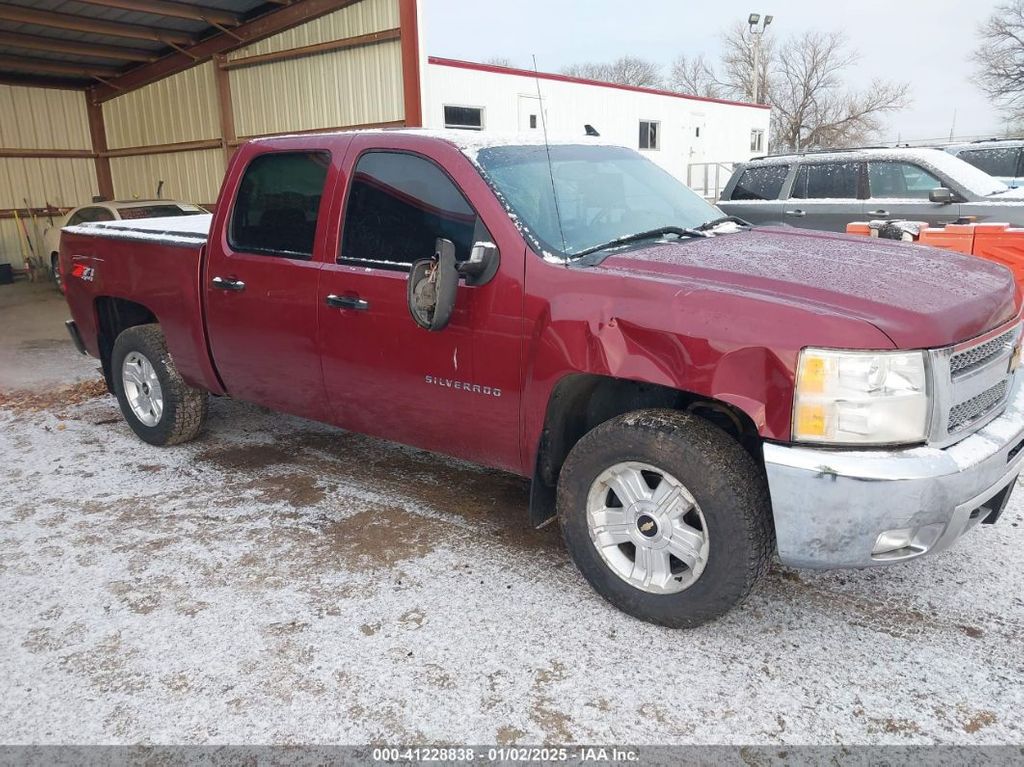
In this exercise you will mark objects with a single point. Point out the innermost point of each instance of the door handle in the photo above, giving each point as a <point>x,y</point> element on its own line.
<point>347,302</point>
<point>878,213</point>
<point>223,283</point>
<point>797,213</point>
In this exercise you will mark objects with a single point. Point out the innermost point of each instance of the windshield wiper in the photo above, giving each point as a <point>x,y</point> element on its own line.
<point>648,235</point>
<point>681,231</point>
<point>708,225</point>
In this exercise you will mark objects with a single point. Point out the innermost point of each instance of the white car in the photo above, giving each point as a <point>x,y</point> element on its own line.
<point>110,211</point>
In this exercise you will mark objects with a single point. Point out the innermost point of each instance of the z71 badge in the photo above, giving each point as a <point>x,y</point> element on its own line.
<point>84,273</point>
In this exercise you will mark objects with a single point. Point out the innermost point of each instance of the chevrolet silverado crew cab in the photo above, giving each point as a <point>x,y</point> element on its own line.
<point>688,394</point>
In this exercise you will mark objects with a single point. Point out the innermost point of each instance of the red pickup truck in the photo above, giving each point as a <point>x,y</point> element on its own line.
<point>688,394</point>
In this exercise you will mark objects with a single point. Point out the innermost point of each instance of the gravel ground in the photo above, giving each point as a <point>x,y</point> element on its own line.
<point>282,582</point>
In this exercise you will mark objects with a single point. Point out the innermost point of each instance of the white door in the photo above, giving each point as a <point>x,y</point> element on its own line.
<point>529,114</point>
<point>698,124</point>
<point>699,177</point>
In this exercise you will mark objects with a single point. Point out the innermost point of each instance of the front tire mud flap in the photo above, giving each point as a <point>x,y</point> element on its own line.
<point>542,502</point>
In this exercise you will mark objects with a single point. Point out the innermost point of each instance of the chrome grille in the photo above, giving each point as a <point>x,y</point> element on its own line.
<point>976,357</point>
<point>970,385</point>
<point>963,415</point>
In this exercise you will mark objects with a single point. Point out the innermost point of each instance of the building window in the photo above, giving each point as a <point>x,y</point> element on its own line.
<point>533,122</point>
<point>464,118</point>
<point>650,137</point>
<point>756,140</point>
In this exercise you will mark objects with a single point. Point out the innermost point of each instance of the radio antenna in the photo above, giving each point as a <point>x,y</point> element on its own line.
<point>551,167</point>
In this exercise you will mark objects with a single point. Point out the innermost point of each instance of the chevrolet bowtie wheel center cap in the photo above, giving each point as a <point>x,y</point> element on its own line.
<point>647,526</point>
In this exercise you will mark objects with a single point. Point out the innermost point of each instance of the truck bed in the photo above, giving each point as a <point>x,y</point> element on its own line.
<point>186,231</point>
<point>155,263</point>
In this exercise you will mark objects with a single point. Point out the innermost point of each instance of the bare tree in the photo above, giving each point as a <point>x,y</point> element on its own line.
<point>588,71</point>
<point>812,108</point>
<point>1000,58</point>
<point>803,79</point>
<point>738,62</point>
<point>627,70</point>
<point>696,77</point>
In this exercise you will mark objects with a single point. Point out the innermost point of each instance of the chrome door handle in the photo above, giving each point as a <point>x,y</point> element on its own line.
<point>347,302</point>
<point>223,283</point>
<point>878,213</point>
<point>797,213</point>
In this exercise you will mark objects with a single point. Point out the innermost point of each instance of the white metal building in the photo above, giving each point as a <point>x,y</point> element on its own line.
<point>689,136</point>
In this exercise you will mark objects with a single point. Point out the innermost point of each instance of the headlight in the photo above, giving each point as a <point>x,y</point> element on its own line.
<point>860,398</point>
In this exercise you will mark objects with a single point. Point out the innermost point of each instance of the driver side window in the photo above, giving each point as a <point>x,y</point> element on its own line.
<point>900,180</point>
<point>398,206</point>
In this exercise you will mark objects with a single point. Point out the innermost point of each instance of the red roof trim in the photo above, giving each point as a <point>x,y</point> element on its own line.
<point>457,64</point>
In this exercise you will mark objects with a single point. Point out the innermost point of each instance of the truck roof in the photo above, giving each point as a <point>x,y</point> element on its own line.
<point>469,142</point>
<point>194,230</point>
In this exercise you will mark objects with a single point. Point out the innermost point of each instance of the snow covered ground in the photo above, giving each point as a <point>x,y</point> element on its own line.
<point>282,582</point>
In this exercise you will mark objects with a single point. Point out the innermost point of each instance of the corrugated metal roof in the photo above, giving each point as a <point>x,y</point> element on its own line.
<point>40,48</point>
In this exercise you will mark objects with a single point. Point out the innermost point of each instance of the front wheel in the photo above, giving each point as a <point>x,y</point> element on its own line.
<point>156,402</point>
<point>666,516</point>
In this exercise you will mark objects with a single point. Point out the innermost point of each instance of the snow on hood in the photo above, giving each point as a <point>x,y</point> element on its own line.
<point>918,296</point>
<point>1015,193</point>
<point>170,230</point>
<point>971,178</point>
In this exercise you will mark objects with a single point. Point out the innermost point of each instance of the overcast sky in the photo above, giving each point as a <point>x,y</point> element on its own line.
<point>925,42</point>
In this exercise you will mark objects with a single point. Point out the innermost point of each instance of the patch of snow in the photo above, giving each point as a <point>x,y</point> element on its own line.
<point>196,594</point>
<point>172,230</point>
<point>471,143</point>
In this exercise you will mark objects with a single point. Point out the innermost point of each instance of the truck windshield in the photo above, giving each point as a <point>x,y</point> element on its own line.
<point>604,194</point>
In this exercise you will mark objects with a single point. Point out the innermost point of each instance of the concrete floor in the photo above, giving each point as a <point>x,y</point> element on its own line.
<point>278,581</point>
<point>35,349</point>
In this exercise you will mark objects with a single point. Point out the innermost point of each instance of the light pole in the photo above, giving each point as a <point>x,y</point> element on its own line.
<point>757,29</point>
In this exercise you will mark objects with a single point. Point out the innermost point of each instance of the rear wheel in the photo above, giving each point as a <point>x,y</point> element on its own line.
<point>156,402</point>
<point>666,516</point>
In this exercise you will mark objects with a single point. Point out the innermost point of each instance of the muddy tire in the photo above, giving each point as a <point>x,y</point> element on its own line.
<point>666,516</point>
<point>155,401</point>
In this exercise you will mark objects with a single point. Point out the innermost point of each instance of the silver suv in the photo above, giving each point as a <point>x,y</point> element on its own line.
<point>1000,158</point>
<point>828,190</point>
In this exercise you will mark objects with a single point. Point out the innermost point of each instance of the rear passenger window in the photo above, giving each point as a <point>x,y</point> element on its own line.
<point>995,162</point>
<point>277,205</point>
<point>398,206</point>
<point>827,181</point>
<point>764,183</point>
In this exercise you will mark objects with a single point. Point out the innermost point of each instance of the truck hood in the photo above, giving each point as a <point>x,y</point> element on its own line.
<point>919,296</point>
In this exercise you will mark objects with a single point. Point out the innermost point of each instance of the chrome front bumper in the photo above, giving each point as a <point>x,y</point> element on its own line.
<point>831,506</point>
